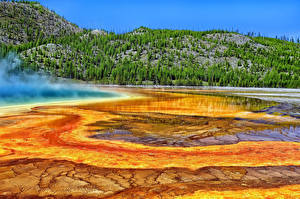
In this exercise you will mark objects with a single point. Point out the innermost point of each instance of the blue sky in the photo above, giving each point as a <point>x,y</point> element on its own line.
<point>269,17</point>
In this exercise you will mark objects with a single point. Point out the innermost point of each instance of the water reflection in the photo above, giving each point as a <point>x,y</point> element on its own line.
<point>185,104</point>
<point>191,118</point>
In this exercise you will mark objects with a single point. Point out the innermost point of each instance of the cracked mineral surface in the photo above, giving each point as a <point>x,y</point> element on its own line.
<point>42,177</point>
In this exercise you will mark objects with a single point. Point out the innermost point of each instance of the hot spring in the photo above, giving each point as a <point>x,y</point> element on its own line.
<point>24,87</point>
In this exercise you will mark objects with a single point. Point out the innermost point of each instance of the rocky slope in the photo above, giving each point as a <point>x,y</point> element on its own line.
<point>25,22</point>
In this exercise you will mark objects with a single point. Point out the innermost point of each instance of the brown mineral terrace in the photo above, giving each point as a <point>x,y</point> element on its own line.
<point>160,143</point>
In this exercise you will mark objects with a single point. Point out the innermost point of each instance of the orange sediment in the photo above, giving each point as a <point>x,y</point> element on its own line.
<point>63,133</point>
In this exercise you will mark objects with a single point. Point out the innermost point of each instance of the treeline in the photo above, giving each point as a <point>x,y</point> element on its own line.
<point>165,57</point>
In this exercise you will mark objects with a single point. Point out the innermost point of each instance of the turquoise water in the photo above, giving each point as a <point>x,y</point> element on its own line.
<point>51,94</point>
<point>18,87</point>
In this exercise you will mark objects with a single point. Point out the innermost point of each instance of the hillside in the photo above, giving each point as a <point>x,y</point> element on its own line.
<point>146,56</point>
<point>29,21</point>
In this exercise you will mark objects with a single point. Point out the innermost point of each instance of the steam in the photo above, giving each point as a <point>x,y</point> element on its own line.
<point>18,87</point>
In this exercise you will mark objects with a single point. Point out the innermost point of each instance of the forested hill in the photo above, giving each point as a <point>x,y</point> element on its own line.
<point>145,56</point>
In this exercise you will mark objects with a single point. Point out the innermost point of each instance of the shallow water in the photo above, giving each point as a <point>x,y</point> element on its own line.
<point>48,95</point>
<point>181,117</point>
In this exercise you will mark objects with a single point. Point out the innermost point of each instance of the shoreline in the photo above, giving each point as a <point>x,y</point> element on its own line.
<point>125,93</point>
<point>200,87</point>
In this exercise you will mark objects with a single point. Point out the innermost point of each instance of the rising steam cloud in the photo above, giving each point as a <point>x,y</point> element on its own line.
<point>18,87</point>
